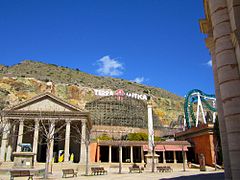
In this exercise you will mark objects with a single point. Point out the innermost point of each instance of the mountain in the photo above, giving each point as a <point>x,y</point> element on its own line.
<point>29,78</point>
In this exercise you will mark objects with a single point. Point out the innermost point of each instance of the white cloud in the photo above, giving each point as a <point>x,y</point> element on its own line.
<point>109,67</point>
<point>209,63</point>
<point>139,80</point>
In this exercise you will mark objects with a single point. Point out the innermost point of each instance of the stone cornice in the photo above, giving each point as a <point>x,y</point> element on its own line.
<point>37,114</point>
<point>206,24</point>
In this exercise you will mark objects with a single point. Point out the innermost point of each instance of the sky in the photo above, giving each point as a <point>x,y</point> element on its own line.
<point>152,42</point>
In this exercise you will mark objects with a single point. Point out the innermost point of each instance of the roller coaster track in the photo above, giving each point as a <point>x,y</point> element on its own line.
<point>200,97</point>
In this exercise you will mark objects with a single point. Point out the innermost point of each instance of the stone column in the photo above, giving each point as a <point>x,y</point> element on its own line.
<point>222,124</point>
<point>20,134</point>
<point>142,154</point>
<point>67,141</point>
<point>9,146</point>
<point>83,143</point>
<point>164,157</point>
<point>185,154</point>
<point>51,131</point>
<point>131,154</point>
<point>35,139</point>
<point>120,154</point>
<point>9,153</point>
<point>228,80</point>
<point>4,141</point>
<point>174,157</point>
<point>110,154</point>
<point>150,129</point>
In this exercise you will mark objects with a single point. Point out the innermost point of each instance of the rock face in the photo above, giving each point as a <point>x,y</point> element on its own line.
<point>28,79</point>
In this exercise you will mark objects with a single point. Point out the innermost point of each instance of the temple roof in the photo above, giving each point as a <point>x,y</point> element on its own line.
<point>45,102</point>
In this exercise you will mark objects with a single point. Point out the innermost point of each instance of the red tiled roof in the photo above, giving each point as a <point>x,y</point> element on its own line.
<point>175,148</point>
<point>157,148</point>
<point>167,148</point>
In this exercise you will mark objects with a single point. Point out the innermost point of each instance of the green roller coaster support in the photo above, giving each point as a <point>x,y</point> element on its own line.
<point>188,105</point>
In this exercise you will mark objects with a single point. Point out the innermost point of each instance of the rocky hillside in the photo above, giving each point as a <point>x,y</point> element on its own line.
<point>29,78</point>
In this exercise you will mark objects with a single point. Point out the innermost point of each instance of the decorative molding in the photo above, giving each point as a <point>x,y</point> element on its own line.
<point>209,41</point>
<point>235,36</point>
<point>204,26</point>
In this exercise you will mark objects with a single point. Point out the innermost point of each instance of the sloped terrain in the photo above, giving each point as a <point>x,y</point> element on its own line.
<point>29,78</point>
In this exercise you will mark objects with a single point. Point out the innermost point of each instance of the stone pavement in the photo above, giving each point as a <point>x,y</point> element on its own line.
<point>190,174</point>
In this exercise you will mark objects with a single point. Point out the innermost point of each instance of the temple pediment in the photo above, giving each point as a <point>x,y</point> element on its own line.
<point>45,102</point>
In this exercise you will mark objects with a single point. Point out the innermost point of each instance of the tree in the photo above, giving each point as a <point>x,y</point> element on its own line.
<point>7,132</point>
<point>80,136</point>
<point>48,129</point>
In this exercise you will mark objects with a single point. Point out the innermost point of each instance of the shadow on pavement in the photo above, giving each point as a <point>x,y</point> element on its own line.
<point>215,176</point>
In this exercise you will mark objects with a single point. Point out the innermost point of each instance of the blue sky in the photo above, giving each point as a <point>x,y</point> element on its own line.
<point>154,42</point>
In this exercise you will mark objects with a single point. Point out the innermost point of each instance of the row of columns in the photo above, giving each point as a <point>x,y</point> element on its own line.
<point>36,138</point>
<point>120,154</point>
<point>142,157</point>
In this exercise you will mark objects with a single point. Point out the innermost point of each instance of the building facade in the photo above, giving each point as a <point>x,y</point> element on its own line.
<point>197,136</point>
<point>222,27</point>
<point>42,120</point>
<point>69,131</point>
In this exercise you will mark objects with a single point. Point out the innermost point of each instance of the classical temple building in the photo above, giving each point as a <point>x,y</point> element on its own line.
<point>222,27</point>
<point>41,119</point>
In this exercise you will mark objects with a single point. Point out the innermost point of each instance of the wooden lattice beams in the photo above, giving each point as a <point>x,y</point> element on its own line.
<point>115,111</point>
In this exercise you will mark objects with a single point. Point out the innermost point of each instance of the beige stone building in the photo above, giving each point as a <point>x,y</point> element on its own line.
<point>222,27</point>
<point>44,118</point>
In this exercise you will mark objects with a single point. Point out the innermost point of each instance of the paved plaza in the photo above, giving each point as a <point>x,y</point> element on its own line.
<point>190,174</point>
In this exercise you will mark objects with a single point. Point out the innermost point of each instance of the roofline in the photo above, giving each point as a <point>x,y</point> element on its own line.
<point>22,104</point>
<point>140,143</point>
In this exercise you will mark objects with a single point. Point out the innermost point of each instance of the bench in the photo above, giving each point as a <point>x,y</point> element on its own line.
<point>98,170</point>
<point>67,172</point>
<point>164,169</point>
<point>21,173</point>
<point>135,168</point>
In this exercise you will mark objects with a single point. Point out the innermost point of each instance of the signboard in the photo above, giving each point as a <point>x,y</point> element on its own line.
<point>120,93</point>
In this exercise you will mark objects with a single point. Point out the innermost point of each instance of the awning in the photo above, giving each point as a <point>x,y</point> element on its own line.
<point>175,148</point>
<point>157,148</point>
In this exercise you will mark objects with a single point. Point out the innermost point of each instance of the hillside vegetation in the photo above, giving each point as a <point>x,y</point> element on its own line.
<point>28,78</point>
